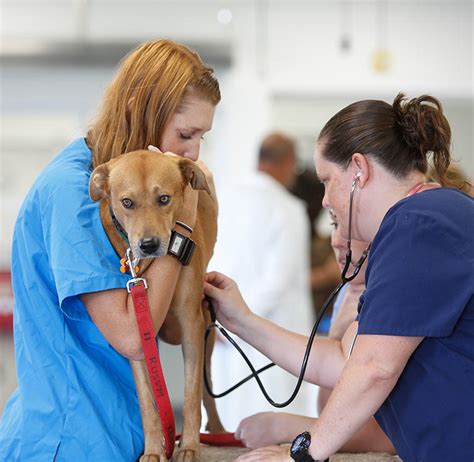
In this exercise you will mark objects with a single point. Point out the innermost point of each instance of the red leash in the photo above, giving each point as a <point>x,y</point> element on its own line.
<point>137,287</point>
<point>218,439</point>
<point>153,364</point>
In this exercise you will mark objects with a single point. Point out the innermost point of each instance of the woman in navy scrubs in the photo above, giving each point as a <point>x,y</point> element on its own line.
<point>409,358</point>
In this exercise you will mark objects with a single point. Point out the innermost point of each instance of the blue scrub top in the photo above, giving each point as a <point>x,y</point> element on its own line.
<point>76,397</point>
<point>420,282</point>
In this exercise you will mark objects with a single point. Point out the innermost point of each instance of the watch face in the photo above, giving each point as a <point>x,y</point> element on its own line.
<point>300,444</point>
<point>177,243</point>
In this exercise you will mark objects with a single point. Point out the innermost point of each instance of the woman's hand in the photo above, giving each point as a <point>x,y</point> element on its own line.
<point>261,429</point>
<point>230,307</point>
<point>268,454</point>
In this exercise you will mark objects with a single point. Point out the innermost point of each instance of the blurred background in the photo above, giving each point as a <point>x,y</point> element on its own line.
<point>283,65</point>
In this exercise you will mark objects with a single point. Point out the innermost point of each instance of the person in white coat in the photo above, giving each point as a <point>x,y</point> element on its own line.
<point>263,243</point>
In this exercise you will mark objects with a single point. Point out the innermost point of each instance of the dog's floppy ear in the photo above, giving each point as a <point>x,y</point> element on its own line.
<point>99,182</point>
<point>193,175</point>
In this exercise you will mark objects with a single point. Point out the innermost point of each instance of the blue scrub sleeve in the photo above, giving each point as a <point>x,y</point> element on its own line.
<point>419,278</point>
<point>82,260</point>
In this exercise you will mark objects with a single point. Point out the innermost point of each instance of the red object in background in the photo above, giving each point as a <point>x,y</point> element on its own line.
<point>6,301</point>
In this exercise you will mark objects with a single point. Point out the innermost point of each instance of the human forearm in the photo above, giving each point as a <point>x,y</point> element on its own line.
<point>367,380</point>
<point>286,349</point>
<point>291,425</point>
<point>357,397</point>
<point>113,313</point>
<point>266,428</point>
<point>370,438</point>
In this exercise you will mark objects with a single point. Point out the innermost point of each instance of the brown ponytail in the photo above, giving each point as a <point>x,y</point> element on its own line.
<point>425,130</point>
<point>401,137</point>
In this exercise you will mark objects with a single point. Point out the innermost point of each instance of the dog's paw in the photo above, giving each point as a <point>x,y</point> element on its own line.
<point>187,454</point>
<point>153,458</point>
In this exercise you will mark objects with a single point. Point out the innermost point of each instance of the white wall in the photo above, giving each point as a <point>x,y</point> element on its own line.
<point>304,117</point>
<point>287,71</point>
<point>430,45</point>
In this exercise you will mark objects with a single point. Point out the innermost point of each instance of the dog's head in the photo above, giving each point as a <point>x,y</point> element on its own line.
<point>144,191</point>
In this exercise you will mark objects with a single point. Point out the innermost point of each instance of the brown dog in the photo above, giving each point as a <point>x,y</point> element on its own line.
<point>144,191</point>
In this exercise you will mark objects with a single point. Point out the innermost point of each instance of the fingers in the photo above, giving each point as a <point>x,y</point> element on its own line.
<point>238,432</point>
<point>210,290</point>
<point>153,148</point>
<point>242,434</point>
<point>214,288</point>
<point>219,280</point>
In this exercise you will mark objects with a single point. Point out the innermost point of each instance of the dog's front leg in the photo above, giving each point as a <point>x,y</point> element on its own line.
<point>193,354</point>
<point>214,424</point>
<point>154,440</point>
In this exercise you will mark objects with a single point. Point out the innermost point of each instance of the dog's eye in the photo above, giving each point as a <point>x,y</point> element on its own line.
<point>127,203</point>
<point>164,200</point>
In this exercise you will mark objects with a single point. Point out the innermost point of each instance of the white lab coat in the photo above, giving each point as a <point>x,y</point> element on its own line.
<point>263,244</point>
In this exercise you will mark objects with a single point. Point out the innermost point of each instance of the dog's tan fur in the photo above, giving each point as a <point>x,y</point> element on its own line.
<point>144,176</point>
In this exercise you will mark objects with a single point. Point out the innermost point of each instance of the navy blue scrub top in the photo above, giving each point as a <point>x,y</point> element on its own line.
<point>420,282</point>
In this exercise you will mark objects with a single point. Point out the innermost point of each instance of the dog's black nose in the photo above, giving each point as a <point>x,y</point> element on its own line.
<point>149,245</point>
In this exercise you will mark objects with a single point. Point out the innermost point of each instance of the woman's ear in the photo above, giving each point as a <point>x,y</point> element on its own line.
<point>361,168</point>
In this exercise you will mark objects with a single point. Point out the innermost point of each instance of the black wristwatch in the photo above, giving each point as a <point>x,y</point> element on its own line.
<point>182,247</point>
<point>299,448</point>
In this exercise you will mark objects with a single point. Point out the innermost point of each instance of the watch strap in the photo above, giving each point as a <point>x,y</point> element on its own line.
<point>181,247</point>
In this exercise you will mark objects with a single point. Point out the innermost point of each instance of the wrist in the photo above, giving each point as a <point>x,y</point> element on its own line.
<point>281,428</point>
<point>305,448</point>
<point>245,325</point>
<point>315,449</point>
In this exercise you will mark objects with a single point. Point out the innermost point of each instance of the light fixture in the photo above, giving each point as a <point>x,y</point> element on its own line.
<point>224,16</point>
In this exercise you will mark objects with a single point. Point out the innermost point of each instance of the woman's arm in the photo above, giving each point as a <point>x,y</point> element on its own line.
<point>287,349</point>
<point>368,378</point>
<point>283,347</point>
<point>113,313</point>
<point>267,428</point>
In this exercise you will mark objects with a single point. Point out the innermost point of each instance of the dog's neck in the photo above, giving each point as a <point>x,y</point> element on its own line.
<point>118,241</point>
<point>118,226</point>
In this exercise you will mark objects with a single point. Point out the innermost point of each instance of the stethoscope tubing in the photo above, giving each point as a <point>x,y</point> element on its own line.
<point>255,373</point>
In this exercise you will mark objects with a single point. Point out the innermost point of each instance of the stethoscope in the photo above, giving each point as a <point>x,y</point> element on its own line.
<point>345,278</point>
